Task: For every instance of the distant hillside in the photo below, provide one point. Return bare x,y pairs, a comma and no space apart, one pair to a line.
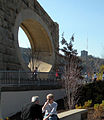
91,64
26,54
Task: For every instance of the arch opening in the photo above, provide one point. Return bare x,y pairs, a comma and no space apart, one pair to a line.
25,46
40,52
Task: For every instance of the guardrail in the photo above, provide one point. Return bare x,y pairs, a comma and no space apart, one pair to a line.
27,78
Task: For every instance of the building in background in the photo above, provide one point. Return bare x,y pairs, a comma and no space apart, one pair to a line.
84,53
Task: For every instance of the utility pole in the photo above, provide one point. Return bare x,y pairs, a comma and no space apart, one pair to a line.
87,43
87,57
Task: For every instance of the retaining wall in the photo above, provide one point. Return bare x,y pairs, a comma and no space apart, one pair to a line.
76,114
12,102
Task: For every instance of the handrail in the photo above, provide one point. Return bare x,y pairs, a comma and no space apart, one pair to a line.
8,78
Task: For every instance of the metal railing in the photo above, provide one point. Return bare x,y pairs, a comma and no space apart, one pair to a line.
8,78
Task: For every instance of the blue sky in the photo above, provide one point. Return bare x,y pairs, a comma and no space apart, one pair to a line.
84,18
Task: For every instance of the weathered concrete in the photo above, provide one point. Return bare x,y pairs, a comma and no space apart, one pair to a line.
42,32
12,102
75,114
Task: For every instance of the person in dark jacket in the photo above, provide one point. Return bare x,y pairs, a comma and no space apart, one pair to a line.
35,73
35,109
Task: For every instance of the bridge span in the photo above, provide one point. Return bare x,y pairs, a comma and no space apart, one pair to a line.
16,88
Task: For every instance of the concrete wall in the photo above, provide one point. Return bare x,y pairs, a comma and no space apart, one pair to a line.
12,102
76,114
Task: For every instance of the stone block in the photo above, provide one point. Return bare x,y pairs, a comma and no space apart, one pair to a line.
1,66
10,5
9,35
9,11
10,44
0,21
4,24
1,57
10,51
1,13
2,48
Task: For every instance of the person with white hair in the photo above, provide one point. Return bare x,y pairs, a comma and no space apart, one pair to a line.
36,109
32,111
35,99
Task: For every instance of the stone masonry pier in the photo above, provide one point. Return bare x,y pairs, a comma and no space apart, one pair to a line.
42,31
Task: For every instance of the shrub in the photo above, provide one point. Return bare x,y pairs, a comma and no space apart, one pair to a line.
92,91
87,104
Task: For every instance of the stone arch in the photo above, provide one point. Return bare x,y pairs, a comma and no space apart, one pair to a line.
39,36
14,13
13,16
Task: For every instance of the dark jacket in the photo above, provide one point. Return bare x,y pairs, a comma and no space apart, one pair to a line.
36,112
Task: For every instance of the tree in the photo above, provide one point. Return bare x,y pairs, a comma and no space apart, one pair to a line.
72,72
31,58
100,72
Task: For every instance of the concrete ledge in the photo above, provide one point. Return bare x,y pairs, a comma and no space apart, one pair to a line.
29,87
76,114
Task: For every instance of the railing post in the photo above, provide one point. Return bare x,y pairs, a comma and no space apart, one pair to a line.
0,97
5,78
43,78
19,77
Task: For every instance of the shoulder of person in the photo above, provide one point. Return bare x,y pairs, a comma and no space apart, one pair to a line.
36,107
55,103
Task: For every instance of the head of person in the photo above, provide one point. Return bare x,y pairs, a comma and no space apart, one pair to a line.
50,98
36,67
94,72
35,99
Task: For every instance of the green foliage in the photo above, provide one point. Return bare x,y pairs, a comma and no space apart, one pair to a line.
92,91
78,107
99,106
102,102
100,72
98,109
67,48
91,65
102,68
87,104
96,106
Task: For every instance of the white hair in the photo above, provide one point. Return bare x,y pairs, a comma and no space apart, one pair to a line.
35,98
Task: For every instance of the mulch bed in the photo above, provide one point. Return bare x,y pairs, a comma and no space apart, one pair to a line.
96,116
